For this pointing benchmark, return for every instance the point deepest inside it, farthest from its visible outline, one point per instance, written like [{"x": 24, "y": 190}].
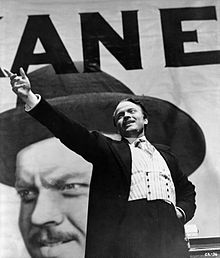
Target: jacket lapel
[{"x": 122, "y": 153}]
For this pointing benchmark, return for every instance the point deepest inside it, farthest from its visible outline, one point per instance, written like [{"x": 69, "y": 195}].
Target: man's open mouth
[{"x": 128, "y": 123}]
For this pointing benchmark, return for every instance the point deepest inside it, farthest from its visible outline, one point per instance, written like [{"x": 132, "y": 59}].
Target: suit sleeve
[{"x": 71, "y": 134}]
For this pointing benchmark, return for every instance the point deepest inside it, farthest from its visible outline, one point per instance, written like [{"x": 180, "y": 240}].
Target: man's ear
[{"x": 145, "y": 121}]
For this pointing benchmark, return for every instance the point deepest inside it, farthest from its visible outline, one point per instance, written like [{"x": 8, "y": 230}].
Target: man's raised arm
[{"x": 70, "y": 132}]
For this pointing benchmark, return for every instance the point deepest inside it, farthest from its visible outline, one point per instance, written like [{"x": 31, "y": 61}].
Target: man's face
[
  {"x": 129, "y": 119},
  {"x": 53, "y": 183}
]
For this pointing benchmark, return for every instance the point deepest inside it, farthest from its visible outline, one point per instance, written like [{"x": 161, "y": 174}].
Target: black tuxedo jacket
[{"x": 111, "y": 177}]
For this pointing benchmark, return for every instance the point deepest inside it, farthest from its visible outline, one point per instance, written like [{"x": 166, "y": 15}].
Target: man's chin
[{"x": 130, "y": 132}]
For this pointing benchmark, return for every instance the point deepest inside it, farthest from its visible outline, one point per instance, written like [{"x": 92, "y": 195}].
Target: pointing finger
[{"x": 22, "y": 73}]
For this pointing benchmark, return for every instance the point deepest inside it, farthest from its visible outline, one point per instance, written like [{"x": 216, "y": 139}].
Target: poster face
[{"x": 166, "y": 50}]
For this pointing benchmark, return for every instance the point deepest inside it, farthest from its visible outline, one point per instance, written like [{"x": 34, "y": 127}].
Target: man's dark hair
[{"x": 135, "y": 101}]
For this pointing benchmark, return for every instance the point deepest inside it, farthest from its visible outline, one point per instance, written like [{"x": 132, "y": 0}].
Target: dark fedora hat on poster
[{"x": 90, "y": 99}]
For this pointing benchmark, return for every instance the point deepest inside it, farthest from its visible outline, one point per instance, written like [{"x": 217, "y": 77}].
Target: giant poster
[{"x": 92, "y": 53}]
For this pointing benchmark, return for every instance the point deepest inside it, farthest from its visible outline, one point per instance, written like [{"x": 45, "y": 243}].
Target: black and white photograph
[{"x": 109, "y": 129}]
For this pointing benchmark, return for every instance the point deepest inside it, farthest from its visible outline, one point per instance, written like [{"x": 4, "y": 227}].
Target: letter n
[{"x": 126, "y": 50}]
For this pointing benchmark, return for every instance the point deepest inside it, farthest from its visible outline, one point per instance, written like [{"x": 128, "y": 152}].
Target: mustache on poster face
[{"x": 50, "y": 235}]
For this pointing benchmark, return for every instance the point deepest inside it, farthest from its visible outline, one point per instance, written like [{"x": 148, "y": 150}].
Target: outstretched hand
[{"x": 20, "y": 84}]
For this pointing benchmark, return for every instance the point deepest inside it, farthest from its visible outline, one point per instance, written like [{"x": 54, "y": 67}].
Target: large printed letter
[
  {"x": 174, "y": 37},
  {"x": 41, "y": 26},
  {"x": 126, "y": 50}
]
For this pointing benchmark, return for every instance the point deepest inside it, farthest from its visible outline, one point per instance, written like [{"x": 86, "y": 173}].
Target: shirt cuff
[
  {"x": 183, "y": 213},
  {"x": 29, "y": 107}
]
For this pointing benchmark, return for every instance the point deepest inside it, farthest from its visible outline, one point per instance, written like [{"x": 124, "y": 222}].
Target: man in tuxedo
[{"x": 139, "y": 198}]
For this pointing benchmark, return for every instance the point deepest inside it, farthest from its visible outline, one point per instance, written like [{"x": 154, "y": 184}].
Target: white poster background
[{"x": 195, "y": 89}]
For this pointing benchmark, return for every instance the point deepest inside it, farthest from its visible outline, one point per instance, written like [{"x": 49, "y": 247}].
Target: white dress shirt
[{"x": 151, "y": 177}]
